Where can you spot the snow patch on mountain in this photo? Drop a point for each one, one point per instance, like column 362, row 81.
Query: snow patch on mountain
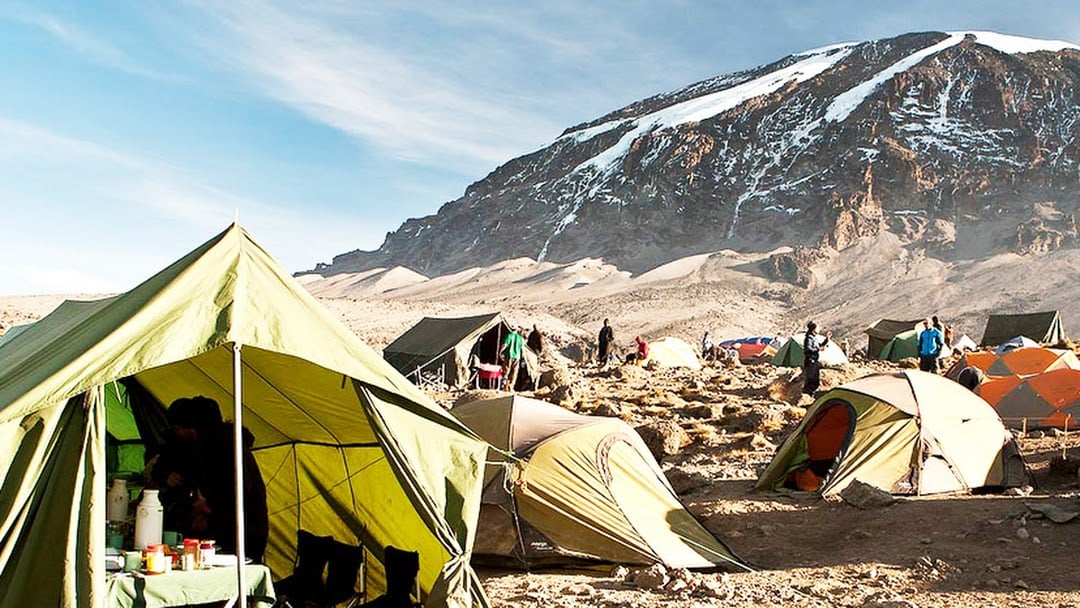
column 1018, row 44
column 704, row 107
column 848, row 101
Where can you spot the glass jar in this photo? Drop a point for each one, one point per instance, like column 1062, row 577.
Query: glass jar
column 155, row 559
column 206, row 554
column 189, row 559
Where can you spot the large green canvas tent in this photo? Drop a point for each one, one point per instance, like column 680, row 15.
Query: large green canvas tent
column 880, row 332
column 347, row 447
column 1043, row 327
column 579, row 489
column 907, row 432
column 444, row 348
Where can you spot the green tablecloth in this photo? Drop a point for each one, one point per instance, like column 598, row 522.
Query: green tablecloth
column 181, row 588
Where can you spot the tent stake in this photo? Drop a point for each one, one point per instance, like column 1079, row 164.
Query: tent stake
column 1065, row 439
column 238, row 465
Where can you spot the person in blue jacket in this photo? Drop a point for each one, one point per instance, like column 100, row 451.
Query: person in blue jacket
column 930, row 342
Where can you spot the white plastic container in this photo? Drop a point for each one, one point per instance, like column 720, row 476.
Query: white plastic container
column 149, row 516
column 116, row 508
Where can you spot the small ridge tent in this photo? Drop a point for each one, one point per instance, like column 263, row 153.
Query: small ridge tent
column 448, row 347
column 907, row 432
column 1017, row 343
column 673, row 352
column 1043, row 327
column 881, row 331
column 906, row 344
column 347, row 447
column 1021, row 361
column 1049, row 399
column 566, row 489
column 791, row 353
column 963, row 344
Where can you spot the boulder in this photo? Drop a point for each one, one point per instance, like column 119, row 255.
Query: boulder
column 663, row 438
column 610, row 409
column 554, row 378
column 705, row 411
column 653, row 577
column 684, row 482
column 865, row 496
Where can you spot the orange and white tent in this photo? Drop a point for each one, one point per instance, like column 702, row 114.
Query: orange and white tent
column 1048, row 399
column 1022, row 361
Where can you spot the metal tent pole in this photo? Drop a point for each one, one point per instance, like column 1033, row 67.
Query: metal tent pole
column 238, row 465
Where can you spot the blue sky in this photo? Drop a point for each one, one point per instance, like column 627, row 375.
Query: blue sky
column 131, row 132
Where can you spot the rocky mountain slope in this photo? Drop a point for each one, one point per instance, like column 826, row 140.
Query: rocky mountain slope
column 964, row 144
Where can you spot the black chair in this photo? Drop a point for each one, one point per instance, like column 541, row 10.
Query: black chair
column 317, row 556
column 402, row 567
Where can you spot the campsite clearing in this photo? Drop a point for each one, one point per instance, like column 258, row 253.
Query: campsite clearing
column 933, row 551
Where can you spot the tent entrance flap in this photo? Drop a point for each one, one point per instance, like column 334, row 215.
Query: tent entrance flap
column 827, row 435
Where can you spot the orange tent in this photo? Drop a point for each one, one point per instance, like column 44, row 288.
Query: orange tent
column 1022, row 361
column 1049, row 399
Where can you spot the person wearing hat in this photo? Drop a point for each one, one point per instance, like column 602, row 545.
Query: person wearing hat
column 812, row 344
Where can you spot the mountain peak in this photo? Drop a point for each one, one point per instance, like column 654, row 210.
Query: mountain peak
column 934, row 136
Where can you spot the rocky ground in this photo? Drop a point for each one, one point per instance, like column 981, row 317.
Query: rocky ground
column 713, row 430
column 721, row 427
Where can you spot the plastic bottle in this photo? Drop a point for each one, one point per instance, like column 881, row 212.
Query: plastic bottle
column 149, row 517
column 116, row 508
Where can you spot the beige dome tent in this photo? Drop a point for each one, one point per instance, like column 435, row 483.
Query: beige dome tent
column 907, row 432
column 585, row 489
column 346, row 445
column 673, row 352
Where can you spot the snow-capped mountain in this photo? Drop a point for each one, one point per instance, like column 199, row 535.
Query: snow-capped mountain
column 964, row 142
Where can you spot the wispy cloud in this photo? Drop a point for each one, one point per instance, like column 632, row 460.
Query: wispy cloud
column 88, row 45
column 323, row 63
column 160, row 209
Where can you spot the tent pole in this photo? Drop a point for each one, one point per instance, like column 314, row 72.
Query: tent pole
column 238, row 465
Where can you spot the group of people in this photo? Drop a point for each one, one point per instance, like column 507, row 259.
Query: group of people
column 931, row 340
column 605, row 342
column 510, row 351
column 197, row 481
column 711, row 351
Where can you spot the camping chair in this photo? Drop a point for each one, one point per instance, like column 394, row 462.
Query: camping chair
column 343, row 565
column 402, row 588
column 430, row 377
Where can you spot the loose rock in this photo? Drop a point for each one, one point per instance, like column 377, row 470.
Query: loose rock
column 865, row 496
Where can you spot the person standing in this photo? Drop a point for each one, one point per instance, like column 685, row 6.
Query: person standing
column 535, row 341
column 930, row 342
column 708, row 349
column 512, row 345
column 812, row 344
column 603, row 343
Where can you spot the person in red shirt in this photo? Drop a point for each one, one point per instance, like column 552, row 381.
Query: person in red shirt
column 642, row 349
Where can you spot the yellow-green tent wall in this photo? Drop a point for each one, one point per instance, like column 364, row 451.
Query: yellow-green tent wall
column 346, row 445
